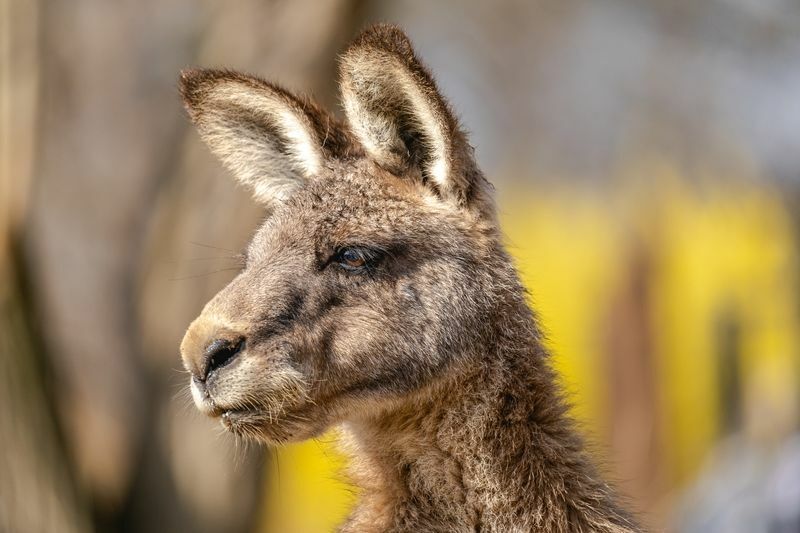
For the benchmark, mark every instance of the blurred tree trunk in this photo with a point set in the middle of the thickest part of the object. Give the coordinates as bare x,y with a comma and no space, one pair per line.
106,123
36,492
633,411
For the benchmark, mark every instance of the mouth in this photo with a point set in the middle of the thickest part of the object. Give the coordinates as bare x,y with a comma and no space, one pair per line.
260,423
229,416
233,418
256,425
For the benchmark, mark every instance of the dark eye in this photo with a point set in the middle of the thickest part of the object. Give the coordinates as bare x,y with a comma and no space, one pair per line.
352,258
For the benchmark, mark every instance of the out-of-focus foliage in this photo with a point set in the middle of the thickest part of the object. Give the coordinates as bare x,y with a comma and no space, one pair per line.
308,488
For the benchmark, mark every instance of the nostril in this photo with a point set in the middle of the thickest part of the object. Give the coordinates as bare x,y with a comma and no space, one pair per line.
219,353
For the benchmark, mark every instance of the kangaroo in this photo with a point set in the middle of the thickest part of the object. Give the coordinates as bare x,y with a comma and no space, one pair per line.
378,297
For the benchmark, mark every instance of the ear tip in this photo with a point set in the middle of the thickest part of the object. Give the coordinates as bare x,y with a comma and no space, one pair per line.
192,80
383,32
384,37
190,84
191,77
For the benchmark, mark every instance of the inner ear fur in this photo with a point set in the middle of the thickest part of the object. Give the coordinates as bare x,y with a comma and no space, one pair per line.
271,139
394,108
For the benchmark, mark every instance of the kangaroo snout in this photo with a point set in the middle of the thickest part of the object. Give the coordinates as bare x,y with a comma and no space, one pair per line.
206,348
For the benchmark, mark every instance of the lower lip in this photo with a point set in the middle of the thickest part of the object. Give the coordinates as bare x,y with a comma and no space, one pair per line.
230,414
230,418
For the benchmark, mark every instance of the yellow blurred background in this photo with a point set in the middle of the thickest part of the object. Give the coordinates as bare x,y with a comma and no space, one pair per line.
645,156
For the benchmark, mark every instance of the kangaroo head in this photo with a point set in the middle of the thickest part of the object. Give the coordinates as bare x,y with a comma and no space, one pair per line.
380,261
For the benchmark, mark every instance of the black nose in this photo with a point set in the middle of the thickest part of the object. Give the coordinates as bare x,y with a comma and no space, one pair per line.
220,353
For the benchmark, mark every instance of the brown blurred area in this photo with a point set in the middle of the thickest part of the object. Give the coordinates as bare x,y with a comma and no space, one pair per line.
117,225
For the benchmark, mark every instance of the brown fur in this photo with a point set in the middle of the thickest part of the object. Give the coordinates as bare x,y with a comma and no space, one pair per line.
428,357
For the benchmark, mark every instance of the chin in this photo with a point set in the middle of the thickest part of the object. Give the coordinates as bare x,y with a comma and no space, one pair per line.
248,424
268,428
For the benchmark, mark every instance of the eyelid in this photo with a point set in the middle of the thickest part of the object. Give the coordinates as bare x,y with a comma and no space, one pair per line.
364,253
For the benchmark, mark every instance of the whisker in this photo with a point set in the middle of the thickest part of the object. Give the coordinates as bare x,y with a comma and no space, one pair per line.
212,247
194,259
205,274
239,452
274,452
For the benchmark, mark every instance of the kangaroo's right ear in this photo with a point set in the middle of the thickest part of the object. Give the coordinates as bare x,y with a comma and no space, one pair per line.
398,114
269,138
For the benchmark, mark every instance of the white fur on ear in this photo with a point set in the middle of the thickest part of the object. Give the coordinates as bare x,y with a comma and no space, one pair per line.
382,84
264,135
394,108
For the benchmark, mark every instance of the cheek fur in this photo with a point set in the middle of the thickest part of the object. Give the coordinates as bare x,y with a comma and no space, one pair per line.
361,332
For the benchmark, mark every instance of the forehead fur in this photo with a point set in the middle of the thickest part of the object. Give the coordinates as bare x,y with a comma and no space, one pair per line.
358,202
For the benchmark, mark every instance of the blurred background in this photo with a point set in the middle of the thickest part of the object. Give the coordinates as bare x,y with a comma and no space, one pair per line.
646,156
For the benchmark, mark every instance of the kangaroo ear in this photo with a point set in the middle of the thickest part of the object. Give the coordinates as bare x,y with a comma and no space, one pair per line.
401,119
269,138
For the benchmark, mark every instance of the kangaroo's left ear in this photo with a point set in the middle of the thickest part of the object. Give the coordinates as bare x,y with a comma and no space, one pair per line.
399,116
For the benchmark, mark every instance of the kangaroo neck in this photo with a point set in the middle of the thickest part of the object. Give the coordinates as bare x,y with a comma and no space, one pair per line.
492,450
